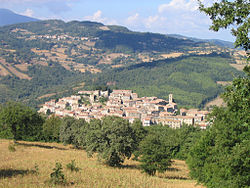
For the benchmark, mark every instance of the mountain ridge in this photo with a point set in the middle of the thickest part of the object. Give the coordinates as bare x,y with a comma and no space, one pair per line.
8,17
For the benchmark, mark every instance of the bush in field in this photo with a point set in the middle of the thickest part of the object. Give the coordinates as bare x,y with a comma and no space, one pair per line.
11,147
57,176
72,166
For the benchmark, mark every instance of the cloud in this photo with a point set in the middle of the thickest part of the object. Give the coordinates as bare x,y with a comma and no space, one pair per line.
132,19
28,12
97,17
180,5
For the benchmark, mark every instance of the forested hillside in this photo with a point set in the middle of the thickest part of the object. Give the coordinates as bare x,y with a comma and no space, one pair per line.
192,80
49,58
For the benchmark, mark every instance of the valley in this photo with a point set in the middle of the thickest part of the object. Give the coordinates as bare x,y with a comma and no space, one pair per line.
90,52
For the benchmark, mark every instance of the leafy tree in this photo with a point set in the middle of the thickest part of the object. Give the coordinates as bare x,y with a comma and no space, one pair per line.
74,131
221,157
231,13
187,137
23,122
51,128
65,130
112,138
157,149
140,134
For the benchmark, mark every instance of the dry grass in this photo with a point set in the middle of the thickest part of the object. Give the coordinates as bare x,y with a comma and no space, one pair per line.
172,55
17,169
224,83
3,71
239,67
216,102
14,71
23,67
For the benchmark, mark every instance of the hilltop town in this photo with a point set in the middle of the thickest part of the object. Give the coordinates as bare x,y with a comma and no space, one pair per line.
126,104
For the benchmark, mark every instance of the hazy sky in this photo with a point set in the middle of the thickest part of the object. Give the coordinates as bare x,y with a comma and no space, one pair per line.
161,16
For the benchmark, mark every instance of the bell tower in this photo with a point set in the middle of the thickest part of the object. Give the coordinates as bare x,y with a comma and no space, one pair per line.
170,98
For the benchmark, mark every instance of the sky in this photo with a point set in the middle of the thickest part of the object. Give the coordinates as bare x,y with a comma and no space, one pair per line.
159,16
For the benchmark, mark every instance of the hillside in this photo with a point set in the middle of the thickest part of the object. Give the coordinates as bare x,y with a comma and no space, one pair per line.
8,17
193,80
49,58
31,164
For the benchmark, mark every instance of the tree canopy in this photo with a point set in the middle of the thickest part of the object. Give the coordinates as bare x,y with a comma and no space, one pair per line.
23,122
221,157
112,138
233,14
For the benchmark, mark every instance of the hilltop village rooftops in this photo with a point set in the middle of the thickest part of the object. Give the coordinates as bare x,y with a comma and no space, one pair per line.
126,104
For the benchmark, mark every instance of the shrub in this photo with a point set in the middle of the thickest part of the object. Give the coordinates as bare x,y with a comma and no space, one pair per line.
72,166
57,176
11,147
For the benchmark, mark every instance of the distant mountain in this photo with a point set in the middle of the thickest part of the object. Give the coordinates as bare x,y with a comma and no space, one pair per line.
7,17
222,43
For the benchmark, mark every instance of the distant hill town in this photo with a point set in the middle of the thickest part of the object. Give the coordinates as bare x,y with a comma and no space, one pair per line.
126,104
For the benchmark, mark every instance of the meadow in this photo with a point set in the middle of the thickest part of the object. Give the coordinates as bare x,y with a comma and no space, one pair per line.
33,162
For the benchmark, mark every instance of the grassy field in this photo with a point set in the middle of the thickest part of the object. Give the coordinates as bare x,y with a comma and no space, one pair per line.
32,162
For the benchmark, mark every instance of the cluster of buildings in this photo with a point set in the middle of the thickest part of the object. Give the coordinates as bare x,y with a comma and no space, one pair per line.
67,37
125,104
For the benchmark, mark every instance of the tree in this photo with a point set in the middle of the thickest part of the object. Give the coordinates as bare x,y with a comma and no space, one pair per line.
140,134
23,122
157,149
51,128
73,132
233,14
221,157
112,138
65,130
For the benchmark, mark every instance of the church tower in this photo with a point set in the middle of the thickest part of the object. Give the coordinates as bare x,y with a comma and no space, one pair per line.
170,98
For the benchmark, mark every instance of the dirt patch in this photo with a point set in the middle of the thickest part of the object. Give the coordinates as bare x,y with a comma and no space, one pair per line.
117,66
14,71
22,67
239,67
47,95
224,83
67,67
216,102
104,28
172,55
3,71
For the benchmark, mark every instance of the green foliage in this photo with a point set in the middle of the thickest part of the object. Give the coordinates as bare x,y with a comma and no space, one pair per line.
157,150
72,166
44,80
140,134
192,79
11,147
220,158
23,122
233,14
187,137
73,131
51,128
112,138
57,176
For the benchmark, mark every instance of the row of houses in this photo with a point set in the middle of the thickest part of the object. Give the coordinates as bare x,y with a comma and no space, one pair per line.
125,104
